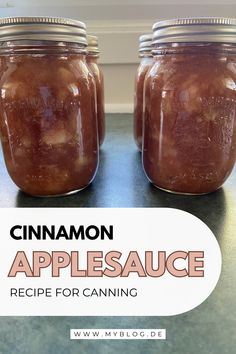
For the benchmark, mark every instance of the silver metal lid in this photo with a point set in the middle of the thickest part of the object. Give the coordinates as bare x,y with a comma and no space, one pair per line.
42,28
203,29
145,43
92,45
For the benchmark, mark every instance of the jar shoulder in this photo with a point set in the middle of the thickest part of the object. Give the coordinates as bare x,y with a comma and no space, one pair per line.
46,70
205,74
182,65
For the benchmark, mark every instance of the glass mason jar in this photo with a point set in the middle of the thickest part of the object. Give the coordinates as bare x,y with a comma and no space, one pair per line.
190,97
146,61
48,123
92,62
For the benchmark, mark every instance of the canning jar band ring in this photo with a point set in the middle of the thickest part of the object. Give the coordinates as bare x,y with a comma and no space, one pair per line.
45,28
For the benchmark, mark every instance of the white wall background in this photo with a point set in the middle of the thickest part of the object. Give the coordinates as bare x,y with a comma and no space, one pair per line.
118,25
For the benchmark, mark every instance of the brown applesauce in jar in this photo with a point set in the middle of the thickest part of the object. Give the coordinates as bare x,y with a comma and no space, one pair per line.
190,98
92,62
146,61
47,106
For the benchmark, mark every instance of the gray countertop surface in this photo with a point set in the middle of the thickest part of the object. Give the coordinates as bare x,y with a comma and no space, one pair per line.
120,182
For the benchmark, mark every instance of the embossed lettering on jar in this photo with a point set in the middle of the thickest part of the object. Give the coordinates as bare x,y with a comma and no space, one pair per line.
47,106
190,115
